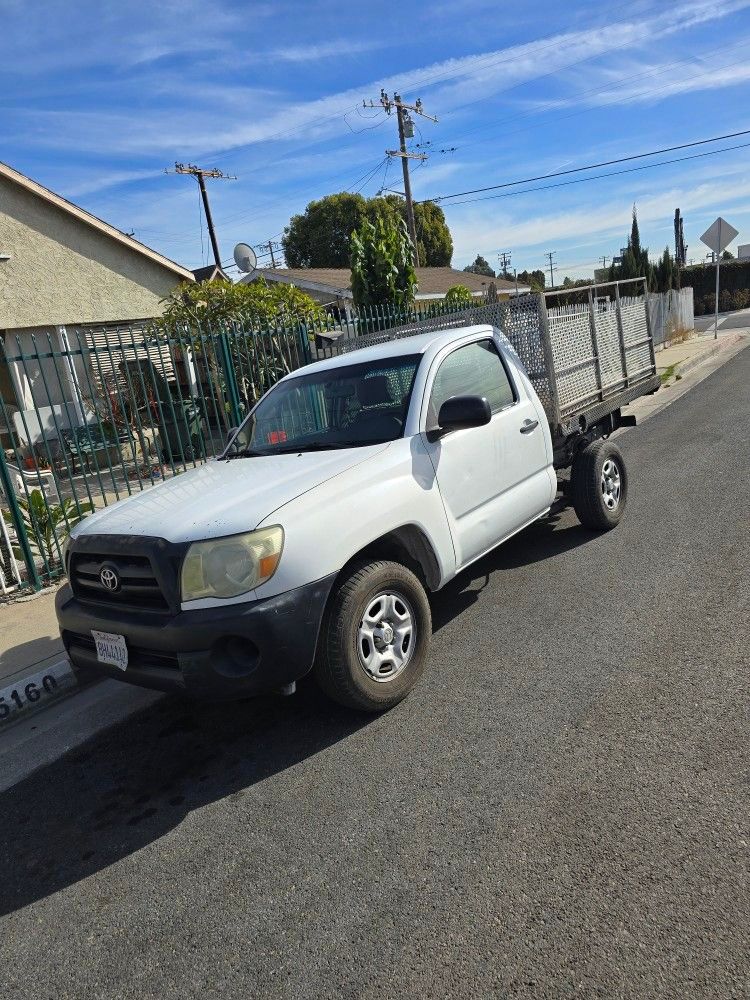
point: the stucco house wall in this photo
(61, 268)
(62, 271)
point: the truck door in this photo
(493, 479)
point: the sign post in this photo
(717, 238)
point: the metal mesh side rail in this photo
(518, 320)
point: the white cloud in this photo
(528, 233)
(177, 130)
(314, 51)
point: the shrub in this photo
(725, 300)
(458, 295)
(741, 298)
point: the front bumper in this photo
(214, 653)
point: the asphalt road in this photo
(731, 321)
(560, 810)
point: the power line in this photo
(200, 174)
(505, 257)
(611, 173)
(406, 128)
(550, 254)
(591, 166)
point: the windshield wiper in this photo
(329, 446)
(310, 446)
(245, 453)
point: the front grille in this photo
(138, 657)
(138, 586)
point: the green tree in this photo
(536, 280)
(433, 235)
(458, 295)
(210, 305)
(635, 262)
(665, 272)
(319, 237)
(480, 266)
(382, 263)
(727, 255)
(196, 309)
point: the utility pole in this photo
(269, 246)
(200, 175)
(550, 254)
(405, 131)
(603, 261)
(504, 257)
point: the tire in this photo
(361, 639)
(599, 485)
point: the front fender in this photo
(326, 527)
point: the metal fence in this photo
(103, 413)
(671, 314)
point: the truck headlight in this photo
(228, 567)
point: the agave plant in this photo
(47, 525)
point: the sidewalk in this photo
(677, 360)
(31, 651)
(34, 670)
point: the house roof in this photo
(210, 273)
(88, 219)
(432, 281)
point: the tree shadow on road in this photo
(133, 784)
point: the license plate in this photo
(111, 649)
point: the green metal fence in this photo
(99, 413)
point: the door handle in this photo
(529, 426)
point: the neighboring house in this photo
(62, 268)
(332, 285)
(210, 273)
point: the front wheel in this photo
(599, 485)
(374, 637)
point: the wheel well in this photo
(407, 545)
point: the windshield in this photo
(345, 407)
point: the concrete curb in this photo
(35, 688)
(722, 344)
(68, 724)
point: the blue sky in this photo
(98, 98)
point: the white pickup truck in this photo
(355, 487)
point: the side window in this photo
(474, 370)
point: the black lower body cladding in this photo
(217, 653)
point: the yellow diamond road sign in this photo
(719, 235)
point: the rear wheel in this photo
(599, 485)
(374, 637)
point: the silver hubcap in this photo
(611, 484)
(386, 636)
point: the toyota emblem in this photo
(109, 578)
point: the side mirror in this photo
(230, 433)
(461, 412)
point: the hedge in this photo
(735, 276)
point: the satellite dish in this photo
(244, 258)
